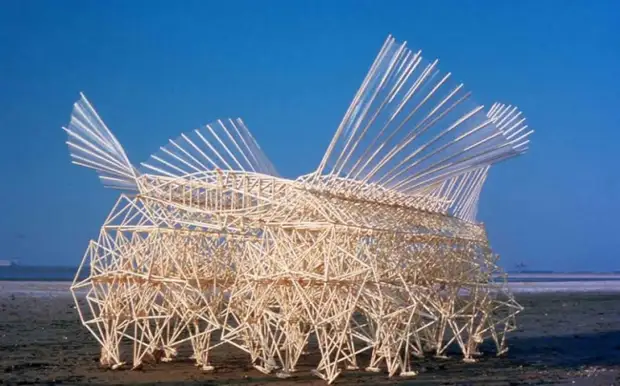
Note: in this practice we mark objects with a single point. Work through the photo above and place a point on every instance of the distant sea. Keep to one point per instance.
(50, 274)
(37, 273)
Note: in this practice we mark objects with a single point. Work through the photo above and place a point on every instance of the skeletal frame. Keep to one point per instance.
(377, 251)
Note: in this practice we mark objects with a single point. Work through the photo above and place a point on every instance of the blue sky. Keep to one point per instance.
(154, 69)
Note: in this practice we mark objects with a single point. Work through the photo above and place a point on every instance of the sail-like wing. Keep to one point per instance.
(92, 145)
(457, 196)
(410, 126)
(224, 145)
(463, 192)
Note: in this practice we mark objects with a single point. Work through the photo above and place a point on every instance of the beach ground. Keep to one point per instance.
(563, 338)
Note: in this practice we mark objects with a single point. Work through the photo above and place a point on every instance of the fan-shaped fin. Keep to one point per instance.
(511, 123)
(456, 196)
(411, 126)
(510, 127)
(464, 191)
(220, 145)
(92, 145)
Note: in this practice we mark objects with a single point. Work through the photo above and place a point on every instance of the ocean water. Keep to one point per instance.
(518, 282)
(37, 273)
(565, 286)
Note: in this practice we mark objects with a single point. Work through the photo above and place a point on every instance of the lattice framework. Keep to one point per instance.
(377, 251)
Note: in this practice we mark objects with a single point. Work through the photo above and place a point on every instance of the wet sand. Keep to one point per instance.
(563, 338)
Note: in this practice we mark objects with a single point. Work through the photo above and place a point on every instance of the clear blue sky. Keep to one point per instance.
(154, 69)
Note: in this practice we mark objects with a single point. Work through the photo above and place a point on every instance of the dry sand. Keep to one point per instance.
(571, 339)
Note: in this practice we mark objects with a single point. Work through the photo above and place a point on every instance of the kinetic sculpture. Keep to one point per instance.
(377, 251)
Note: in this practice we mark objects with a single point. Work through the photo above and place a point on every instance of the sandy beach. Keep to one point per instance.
(563, 338)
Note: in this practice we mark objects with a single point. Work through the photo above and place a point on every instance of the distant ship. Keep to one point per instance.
(7, 263)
